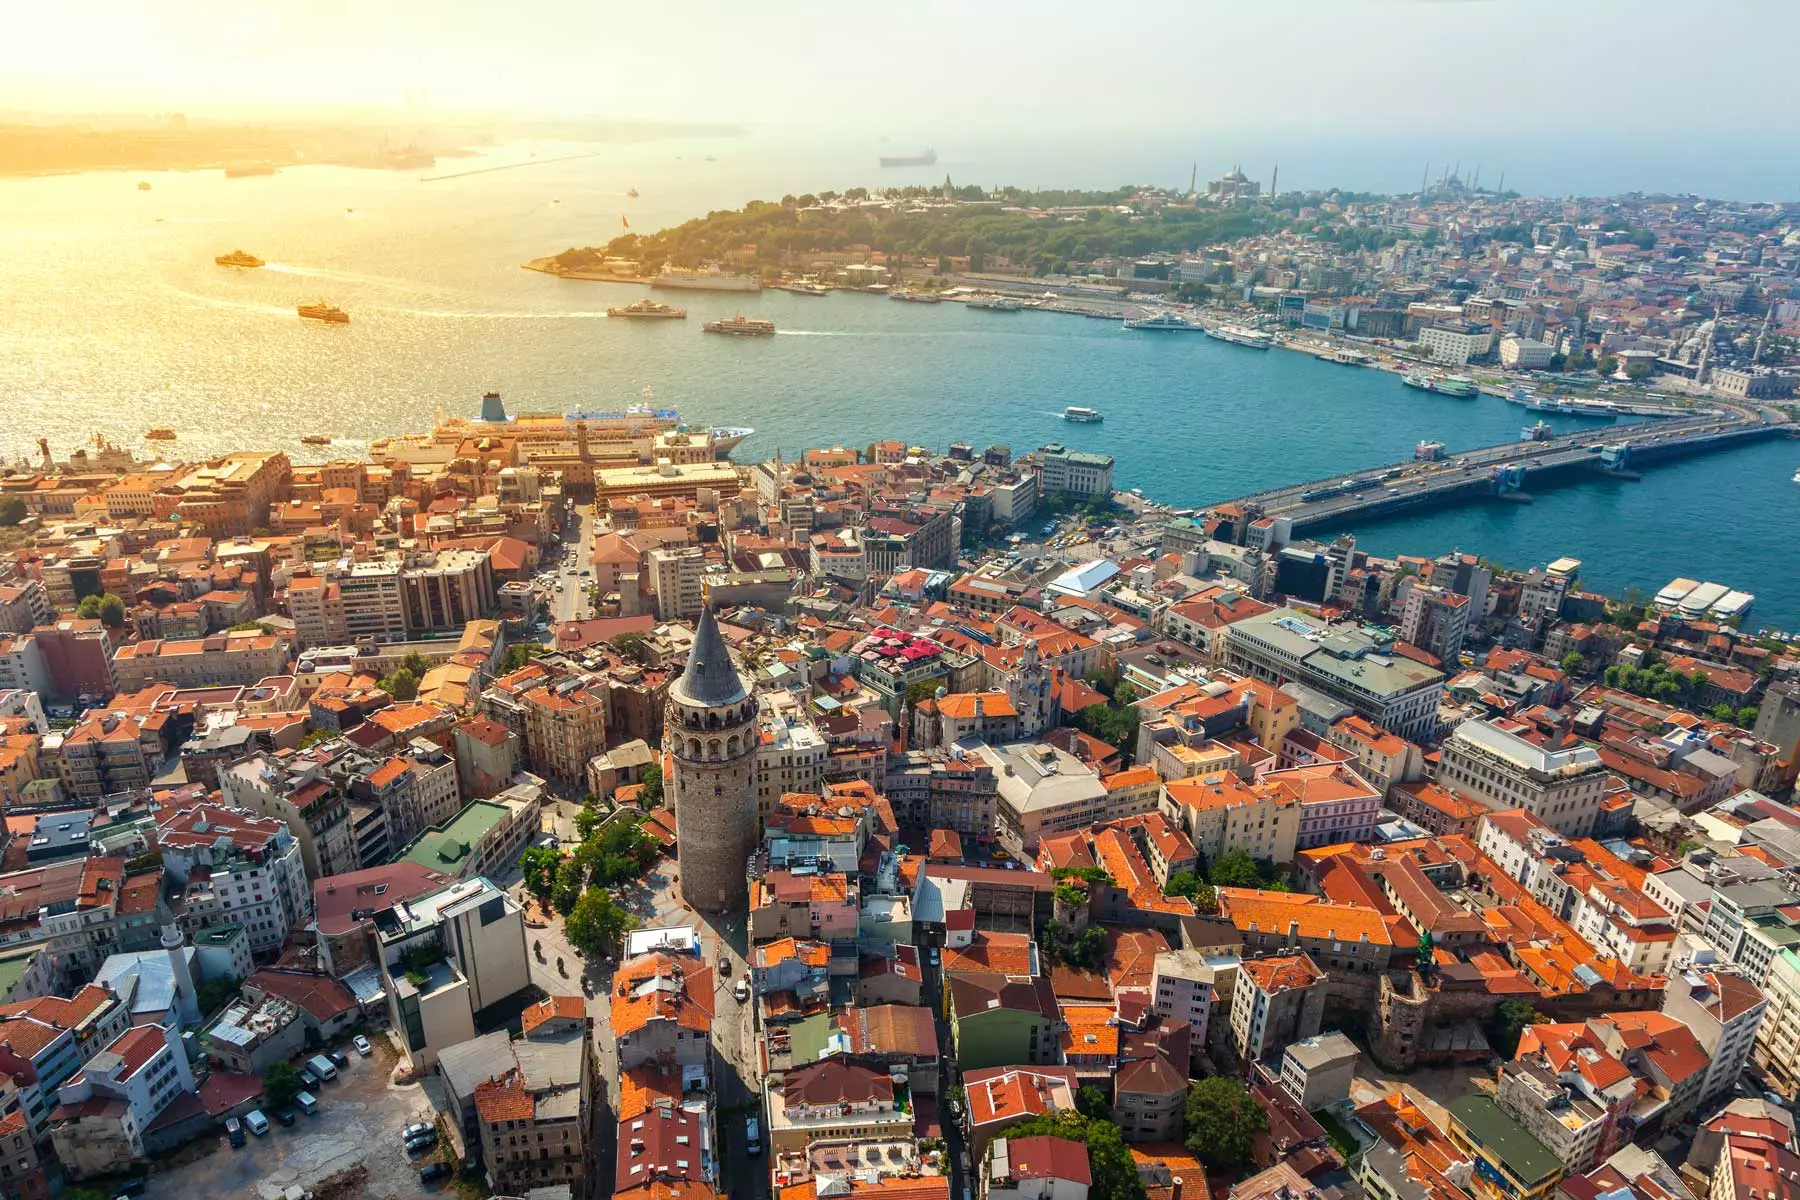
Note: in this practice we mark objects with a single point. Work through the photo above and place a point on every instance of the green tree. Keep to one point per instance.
(1113, 1170)
(1235, 868)
(107, 608)
(598, 924)
(12, 511)
(1637, 370)
(1608, 365)
(588, 820)
(1573, 662)
(634, 646)
(1223, 1119)
(281, 1083)
(1614, 676)
(1092, 1103)
(565, 893)
(1508, 1022)
(401, 684)
(538, 865)
(211, 994)
(1746, 716)
(1724, 712)
(518, 655)
(651, 794)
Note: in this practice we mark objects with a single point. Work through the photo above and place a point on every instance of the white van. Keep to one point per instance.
(256, 1122)
(321, 1066)
(308, 1103)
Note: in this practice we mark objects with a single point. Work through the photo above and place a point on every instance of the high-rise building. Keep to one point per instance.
(711, 734)
(1435, 620)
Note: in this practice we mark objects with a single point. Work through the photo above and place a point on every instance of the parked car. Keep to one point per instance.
(234, 1131)
(309, 1104)
(420, 1145)
(741, 989)
(362, 1045)
(285, 1115)
(257, 1123)
(418, 1129)
(339, 1058)
(432, 1172)
(309, 1078)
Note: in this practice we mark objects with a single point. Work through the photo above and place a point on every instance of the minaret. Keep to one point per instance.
(1274, 179)
(186, 1005)
(710, 732)
(1762, 335)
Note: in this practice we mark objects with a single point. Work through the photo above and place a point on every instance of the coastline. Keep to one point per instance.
(547, 266)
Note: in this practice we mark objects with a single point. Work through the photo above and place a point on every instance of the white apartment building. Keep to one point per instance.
(237, 868)
(1456, 344)
(370, 595)
(1525, 354)
(676, 574)
(1562, 787)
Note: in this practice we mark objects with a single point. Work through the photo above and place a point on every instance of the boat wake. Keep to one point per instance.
(817, 333)
(476, 315)
(276, 310)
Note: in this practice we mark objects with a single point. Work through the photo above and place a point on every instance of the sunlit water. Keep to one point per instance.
(114, 319)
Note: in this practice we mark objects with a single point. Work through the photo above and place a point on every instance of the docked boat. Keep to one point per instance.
(913, 297)
(315, 439)
(1082, 416)
(323, 312)
(249, 169)
(1164, 322)
(648, 310)
(237, 258)
(726, 438)
(1459, 386)
(143, 185)
(995, 303)
(706, 279)
(160, 434)
(1242, 335)
(741, 326)
(1539, 432)
(1346, 357)
(803, 287)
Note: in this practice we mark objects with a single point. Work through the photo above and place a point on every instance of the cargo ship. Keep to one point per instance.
(1459, 386)
(648, 310)
(1165, 322)
(741, 326)
(927, 159)
(323, 312)
(706, 279)
(237, 258)
(1242, 335)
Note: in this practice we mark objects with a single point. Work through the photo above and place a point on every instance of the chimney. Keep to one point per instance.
(1175, 1188)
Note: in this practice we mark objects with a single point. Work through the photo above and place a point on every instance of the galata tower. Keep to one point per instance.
(711, 735)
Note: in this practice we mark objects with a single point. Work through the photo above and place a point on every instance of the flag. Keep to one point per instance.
(624, 222)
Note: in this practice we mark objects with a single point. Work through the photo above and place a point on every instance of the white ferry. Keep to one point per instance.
(1242, 335)
(1082, 416)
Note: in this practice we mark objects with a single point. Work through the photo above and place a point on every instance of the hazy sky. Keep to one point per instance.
(1595, 71)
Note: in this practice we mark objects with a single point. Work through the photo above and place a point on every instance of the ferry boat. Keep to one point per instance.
(631, 192)
(315, 439)
(249, 169)
(706, 279)
(995, 303)
(1164, 322)
(323, 312)
(160, 434)
(913, 297)
(803, 287)
(1241, 335)
(648, 310)
(741, 326)
(143, 185)
(237, 258)
(1460, 386)
(1344, 356)
(1082, 416)
(1535, 433)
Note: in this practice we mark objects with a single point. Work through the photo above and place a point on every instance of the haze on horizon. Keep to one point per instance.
(1551, 79)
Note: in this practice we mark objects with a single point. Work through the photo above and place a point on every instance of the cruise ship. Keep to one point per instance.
(1164, 322)
(706, 279)
(648, 310)
(635, 422)
(323, 312)
(1460, 386)
(237, 258)
(1241, 335)
(741, 326)
(1082, 416)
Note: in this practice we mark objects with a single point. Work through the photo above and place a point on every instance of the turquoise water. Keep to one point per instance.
(116, 320)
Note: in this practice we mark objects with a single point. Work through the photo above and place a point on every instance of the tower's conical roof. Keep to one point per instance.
(710, 680)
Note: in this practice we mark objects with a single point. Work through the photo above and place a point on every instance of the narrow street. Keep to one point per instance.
(569, 594)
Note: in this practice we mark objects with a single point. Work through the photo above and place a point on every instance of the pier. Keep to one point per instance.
(1506, 472)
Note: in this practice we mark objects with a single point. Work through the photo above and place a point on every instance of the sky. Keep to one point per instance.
(1571, 78)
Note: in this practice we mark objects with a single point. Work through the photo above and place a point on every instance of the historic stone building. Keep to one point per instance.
(711, 735)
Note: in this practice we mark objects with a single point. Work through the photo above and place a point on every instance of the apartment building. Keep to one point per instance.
(295, 788)
(24, 606)
(446, 589)
(1277, 1001)
(236, 868)
(565, 726)
(1221, 812)
(1073, 472)
(111, 752)
(370, 597)
(535, 1119)
(1354, 665)
(230, 659)
(1435, 620)
(317, 606)
(1562, 785)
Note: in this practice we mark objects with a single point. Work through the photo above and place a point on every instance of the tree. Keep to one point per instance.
(1573, 662)
(1235, 868)
(212, 994)
(247, 626)
(650, 795)
(1746, 716)
(12, 511)
(1092, 1103)
(588, 820)
(416, 663)
(565, 893)
(1608, 365)
(538, 866)
(633, 646)
(401, 684)
(1508, 1022)
(598, 924)
(1113, 1170)
(1637, 370)
(517, 655)
(1223, 1119)
(281, 1083)
(107, 608)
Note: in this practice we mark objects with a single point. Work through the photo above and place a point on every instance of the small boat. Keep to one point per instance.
(237, 258)
(995, 303)
(631, 192)
(648, 310)
(741, 326)
(143, 185)
(1164, 322)
(1082, 416)
(323, 312)
(315, 439)
(160, 434)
